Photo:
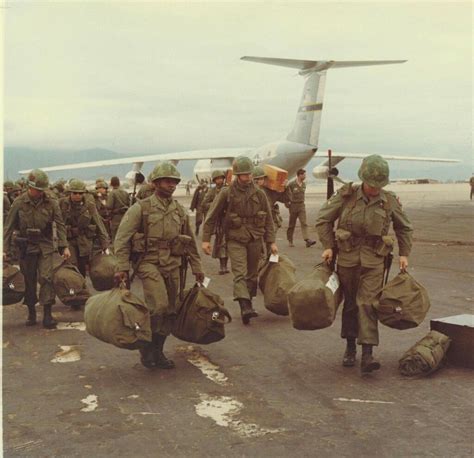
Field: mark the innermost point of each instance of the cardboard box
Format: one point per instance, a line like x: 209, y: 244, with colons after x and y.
x: 460, y: 329
x: 276, y: 177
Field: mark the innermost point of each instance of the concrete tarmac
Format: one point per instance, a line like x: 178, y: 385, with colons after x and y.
x: 266, y: 389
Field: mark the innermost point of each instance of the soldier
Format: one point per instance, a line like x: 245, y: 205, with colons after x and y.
x: 364, y: 213
x: 188, y: 188
x: 164, y: 226
x: 100, y: 199
x: 297, y: 208
x: 471, y: 182
x: 146, y: 190
x: 196, y: 202
x: 58, y: 189
x: 32, y: 215
x: 7, y: 188
x: 220, y: 250
x: 118, y: 203
x: 247, y: 223
x: 83, y: 225
x: 6, y: 206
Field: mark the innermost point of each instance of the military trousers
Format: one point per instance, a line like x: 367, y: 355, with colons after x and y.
x: 360, y: 286
x: 200, y: 216
x: 244, y: 259
x: 80, y: 262
x: 297, y: 211
x: 38, y: 268
x: 161, y: 290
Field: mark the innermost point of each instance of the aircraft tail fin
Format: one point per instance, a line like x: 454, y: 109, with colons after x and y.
x: 308, y: 117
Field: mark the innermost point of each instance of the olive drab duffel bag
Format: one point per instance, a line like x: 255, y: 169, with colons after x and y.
x: 402, y: 303
x: 118, y: 317
x: 201, y: 317
x: 102, y: 270
x: 275, y: 280
x: 13, y: 289
x: 69, y: 285
x: 425, y: 356
x: 313, y: 301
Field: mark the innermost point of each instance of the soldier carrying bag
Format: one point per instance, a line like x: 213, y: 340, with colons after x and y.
x: 102, y: 270
x: 13, y: 289
x: 69, y: 285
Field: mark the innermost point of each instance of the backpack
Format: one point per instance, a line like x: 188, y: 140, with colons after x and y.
x: 69, y: 285
x: 13, y: 289
x: 102, y: 270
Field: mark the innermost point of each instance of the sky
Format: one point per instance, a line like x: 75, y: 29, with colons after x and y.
x: 152, y: 77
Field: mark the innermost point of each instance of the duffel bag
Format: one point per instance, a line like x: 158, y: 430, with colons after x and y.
x: 118, y: 317
x: 102, y: 270
x: 402, y: 303
x: 13, y: 285
x: 425, y: 356
x: 275, y: 281
x: 201, y: 317
x: 69, y: 285
x: 313, y: 301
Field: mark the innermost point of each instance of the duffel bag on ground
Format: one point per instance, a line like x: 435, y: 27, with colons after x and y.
x: 275, y: 281
x: 69, y: 285
x: 425, y: 356
x: 13, y: 285
x: 118, y: 317
x: 402, y: 303
x: 201, y: 317
x: 313, y: 301
x: 102, y: 270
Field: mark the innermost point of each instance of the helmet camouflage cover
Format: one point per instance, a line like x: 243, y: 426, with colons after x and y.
x: 374, y: 171
x: 258, y: 172
x: 217, y: 174
x: 37, y: 179
x: 77, y: 186
x: 242, y: 165
x: 8, y: 184
x: 165, y: 170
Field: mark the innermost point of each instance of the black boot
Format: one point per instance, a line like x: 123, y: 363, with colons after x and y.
x: 48, y: 321
x: 223, y: 262
x: 246, y: 310
x: 350, y: 354
x: 147, y: 356
x: 309, y: 242
x: 161, y: 361
x: 368, y: 363
x: 197, y: 229
x: 31, y: 320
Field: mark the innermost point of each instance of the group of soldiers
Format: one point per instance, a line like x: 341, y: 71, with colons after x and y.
x: 153, y: 237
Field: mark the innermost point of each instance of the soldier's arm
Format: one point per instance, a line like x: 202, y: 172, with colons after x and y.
x: 11, y: 224
x: 194, y: 257
x: 215, y: 212
x: 206, y: 202
x: 328, y: 214
x: 129, y: 225
x: 60, y: 226
x: 402, y: 227
x: 110, y: 201
x: 269, y: 235
x: 101, y: 231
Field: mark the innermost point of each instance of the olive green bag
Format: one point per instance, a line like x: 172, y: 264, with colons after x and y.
x: 402, y: 303
x: 275, y: 280
x: 102, y: 270
x: 13, y: 289
x: 425, y: 356
x: 118, y: 317
x: 69, y: 285
x: 313, y: 301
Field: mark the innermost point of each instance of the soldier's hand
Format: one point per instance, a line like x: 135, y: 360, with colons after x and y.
x: 206, y: 247
x: 199, y: 277
x: 327, y: 255
x: 403, y: 263
x: 121, y: 278
x: 66, y: 253
x: 274, y: 248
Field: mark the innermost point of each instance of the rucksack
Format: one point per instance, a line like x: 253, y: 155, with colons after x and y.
x: 13, y: 289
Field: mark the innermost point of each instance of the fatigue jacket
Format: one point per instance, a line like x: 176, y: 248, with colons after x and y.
x: 25, y: 213
x: 363, y: 226
x: 167, y: 219
x: 248, y: 215
x: 118, y: 201
x: 198, y: 198
x: 145, y: 191
x: 274, y: 197
x: 297, y: 193
x: 210, y: 197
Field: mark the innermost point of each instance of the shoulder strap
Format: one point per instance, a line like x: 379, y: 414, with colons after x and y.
x: 145, y: 206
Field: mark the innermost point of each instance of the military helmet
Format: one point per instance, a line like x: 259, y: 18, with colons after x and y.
x: 165, y: 170
x: 76, y: 185
x: 101, y: 184
x: 258, y: 172
x: 242, y: 165
x: 8, y: 184
x: 374, y: 171
x: 217, y: 174
x: 37, y: 179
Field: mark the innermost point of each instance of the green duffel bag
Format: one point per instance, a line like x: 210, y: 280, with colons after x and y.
x: 313, y: 301
x: 69, y: 285
x: 102, y: 270
x: 425, y: 356
x: 13, y: 285
x: 118, y: 317
x: 201, y: 317
x: 275, y: 280
x: 402, y: 303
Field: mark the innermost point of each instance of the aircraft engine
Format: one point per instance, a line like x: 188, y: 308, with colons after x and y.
x: 322, y: 172
x: 134, y: 175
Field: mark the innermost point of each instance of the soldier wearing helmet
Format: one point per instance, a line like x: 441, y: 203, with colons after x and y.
x: 32, y: 214
x: 146, y: 189
x: 155, y: 235
x: 196, y: 203
x: 247, y: 223
x: 100, y: 199
x: 118, y: 202
x: 364, y: 213
x: 83, y: 225
x: 220, y: 251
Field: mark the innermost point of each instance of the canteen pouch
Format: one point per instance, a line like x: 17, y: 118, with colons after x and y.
x: 33, y: 235
x: 179, y: 245
x: 91, y: 231
x: 260, y: 218
x: 385, y: 246
x: 343, y: 239
x: 235, y: 221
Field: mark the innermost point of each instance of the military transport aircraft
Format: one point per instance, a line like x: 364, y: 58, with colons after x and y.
x: 292, y: 153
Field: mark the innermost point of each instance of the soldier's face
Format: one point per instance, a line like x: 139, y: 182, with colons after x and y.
x: 370, y: 191
x: 35, y: 193
x: 76, y: 196
x: 259, y: 181
x: 102, y: 191
x: 219, y: 181
x: 165, y: 187
x: 244, y: 179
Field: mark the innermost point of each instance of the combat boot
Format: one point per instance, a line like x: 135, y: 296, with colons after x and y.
x: 48, y: 321
x: 223, y: 262
x: 161, y: 361
x: 197, y: 229
x: 309, y: 242
x: 291, y: 244
x: 350, y: 354
x: 147, y: 357
x: 368, y: 363
x: 246, y: 310
x: 31, y: 320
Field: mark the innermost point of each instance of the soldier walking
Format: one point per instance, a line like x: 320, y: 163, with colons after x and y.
x: 364, y: 213
x: 118, y: 203
x: 247, y: 224
x: 32, y: 214
x: 157, y: 234
x: 100, y: 199
x: 196, y: 203
x: 297, y: 208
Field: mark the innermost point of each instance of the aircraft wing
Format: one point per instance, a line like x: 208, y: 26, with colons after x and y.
x: 389, y: 157
x: 218, y: 153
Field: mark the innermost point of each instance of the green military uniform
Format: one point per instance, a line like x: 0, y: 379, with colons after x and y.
x: 196, y: 204
x: 118, y: 202
x: 145, y: 191
x: 33, y: 219
x: 101, y: 206
x: 297, y: 211
x: 274, y: 197
x: 6, y: 206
